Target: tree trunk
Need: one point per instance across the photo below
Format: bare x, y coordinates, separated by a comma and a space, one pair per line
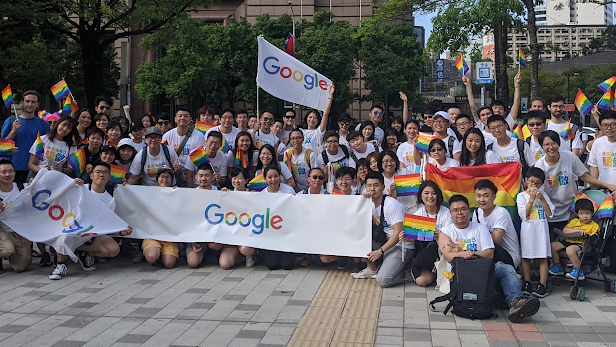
500, 57
534, 49
92, 57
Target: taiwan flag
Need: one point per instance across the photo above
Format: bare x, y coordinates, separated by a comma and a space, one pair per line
289, 45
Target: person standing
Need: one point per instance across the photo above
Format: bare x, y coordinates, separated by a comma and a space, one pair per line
183, 140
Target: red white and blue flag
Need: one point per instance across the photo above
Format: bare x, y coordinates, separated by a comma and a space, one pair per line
289, 45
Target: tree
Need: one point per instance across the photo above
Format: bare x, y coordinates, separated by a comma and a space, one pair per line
96, 24
393, 61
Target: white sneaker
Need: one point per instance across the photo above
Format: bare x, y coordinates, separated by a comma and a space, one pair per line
86, 261
59, 271
365, 273
250, 261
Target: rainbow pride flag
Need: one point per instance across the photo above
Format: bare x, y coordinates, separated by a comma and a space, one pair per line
517, 132
77, 161
258, 183
607, 101
461, 180
118, 174
581, 195
198, 156
112, 143
607, 84
407, 185
40, 147
522, 58
7, 147
582, 103
7, 96
60, 90
606, 209
461, 65
225, 145
203, 126
41, 114
423, 141
336, 191
419, 228
240, 159
566, 134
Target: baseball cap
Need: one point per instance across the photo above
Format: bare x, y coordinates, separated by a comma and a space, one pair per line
106, 148
442, 114
153, 131
126, 142
136, 125
344, 116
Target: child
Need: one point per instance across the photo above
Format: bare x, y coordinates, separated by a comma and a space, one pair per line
114, 132
583, 225
534, 206
92, 149
108, 154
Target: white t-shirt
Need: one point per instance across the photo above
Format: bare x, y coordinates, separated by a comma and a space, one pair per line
174, 141
491, 158
510, 154
137, 146
323, 191
219, 164
104, 197
7, 200
343, 141
379, 134
393, 213
566, 145
300, 168
337, 160
312, 138
265, 139
284, 137
457, 145
284, 189
212, 187
284, 170
536, 149
603, 157
508, 119
560, 183
534, 231
476, 237
443, 217
501, 219
230, 137
405, 155
55, 151
448, 163
231, 161
369, 150
152, 165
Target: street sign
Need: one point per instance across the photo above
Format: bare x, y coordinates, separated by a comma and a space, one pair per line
484, 72
569, 107
440, 70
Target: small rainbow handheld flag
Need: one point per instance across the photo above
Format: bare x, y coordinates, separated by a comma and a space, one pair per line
582, 103
581, 195
607, 84
225, 145
419, 228
407, 185
40, 147
118, 174
77, 161
423, 141
112, 143
69, 106
7, 147
240, 159
203, 126
337, 192
517, 132
461, 65
258, 183
606, 209
522, 57
607, 101
566, 134
60, 90
198, 156
7, 96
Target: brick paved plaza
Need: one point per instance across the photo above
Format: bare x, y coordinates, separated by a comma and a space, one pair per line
124, 304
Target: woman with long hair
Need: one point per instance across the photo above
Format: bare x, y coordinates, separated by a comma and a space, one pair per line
245, 145
267, 156
59, 143
474, 150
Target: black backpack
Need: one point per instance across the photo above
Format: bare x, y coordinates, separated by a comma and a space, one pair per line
472, 288
344, 149
378, 231
520, 145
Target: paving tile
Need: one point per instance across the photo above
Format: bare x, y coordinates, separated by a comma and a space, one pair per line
500, 335
529, 336
134, 338
583, 337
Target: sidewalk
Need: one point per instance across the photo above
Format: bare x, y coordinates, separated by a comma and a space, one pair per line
124, 304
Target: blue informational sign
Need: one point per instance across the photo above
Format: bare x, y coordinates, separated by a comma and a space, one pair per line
484, 73
440, 70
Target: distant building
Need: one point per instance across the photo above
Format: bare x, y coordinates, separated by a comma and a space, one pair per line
558, 12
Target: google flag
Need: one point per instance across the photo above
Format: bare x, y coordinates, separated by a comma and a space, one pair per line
289, 79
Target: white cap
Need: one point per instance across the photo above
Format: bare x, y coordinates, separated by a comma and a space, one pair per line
443, 114
126, 141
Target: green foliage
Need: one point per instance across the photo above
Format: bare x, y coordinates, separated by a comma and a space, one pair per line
599, 44
393, 61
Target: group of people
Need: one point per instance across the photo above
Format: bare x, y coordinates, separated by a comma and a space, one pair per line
359, 161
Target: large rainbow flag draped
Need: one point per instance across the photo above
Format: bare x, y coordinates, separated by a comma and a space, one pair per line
461, 180
418, 227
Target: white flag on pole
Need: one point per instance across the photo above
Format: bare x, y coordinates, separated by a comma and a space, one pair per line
289, 79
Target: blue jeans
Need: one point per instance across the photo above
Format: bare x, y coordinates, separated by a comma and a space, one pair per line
507, 283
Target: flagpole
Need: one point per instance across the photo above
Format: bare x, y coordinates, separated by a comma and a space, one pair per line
257, 104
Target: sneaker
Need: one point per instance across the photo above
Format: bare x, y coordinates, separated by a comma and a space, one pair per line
541, 291
306, 260
45, 260
138, 257
527, 288
86, 261
343, 262
365, 273
556, 270
357, 267
574, 273
58, 272
250, 261
521, 308
408, 276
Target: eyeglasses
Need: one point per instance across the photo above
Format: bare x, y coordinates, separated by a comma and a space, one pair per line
459, 210
606, 126
164, 177
440, 121
331, 142
557, 106
163, 122
104, 107
297, 138
362, 168
379, 114
101, 172
532, 125
154, 138
388, 161
227, 117
346, 179
318, 177
267, 120
497, 127
464, 124
427, 116
289, 117
434, 150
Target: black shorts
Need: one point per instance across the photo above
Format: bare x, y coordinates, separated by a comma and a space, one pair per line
567, 244
424, 260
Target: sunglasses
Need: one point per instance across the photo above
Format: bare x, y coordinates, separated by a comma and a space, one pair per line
163, 122
318, 177
345, 123
289, 117
104, 107
380, 114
